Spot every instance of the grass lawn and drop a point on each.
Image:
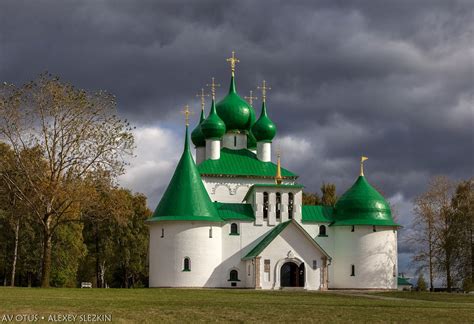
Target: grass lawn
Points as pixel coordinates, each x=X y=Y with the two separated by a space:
x=190 y=305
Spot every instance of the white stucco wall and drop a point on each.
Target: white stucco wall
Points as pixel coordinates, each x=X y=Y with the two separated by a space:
x=200 y=154
x=234 y=141
x=213 y=149
x=374 y=255
x=185 y=239
x=264 y=151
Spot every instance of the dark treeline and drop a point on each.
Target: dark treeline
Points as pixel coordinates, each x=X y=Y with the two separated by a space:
x=328 y=196
x=63 y=219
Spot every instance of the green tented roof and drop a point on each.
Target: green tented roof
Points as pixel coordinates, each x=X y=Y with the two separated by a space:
x=266 y=241
x=270 y=185
x=231 y=211
x=241 y=163
x=186 y=199
x=317 y=214
x=401 y=281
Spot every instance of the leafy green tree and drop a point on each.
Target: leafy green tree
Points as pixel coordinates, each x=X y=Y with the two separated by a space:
x=76 y=132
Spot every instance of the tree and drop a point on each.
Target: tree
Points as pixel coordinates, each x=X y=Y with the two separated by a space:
x=329 y=197
x=436 y=231
x=463 y=216
x=311 y=199
x=75 y=132
x=421 y=283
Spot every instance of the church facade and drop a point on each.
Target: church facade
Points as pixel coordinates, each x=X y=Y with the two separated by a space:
x=235 y=219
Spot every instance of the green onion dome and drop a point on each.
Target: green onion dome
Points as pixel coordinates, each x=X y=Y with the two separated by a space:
x=264 y=129
x=251 y=141
x=362 y=205
x=213 y=126
x=197 y=136
x=236 y=113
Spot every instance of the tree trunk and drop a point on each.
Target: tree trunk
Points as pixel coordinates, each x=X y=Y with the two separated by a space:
x=97 y=259
x=430 y=248
x=47 y=247
x=15 y=252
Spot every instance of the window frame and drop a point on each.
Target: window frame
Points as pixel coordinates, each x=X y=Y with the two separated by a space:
x=236 y=232
x=236 y=279
x=187 y=267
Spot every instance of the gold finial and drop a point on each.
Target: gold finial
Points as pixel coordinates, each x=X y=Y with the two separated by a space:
x=203 y=96
x=362 y=159
x=233 y=60
x=264 y=89
x=250 y=98
x=186 y=113
x=213 y=86
x=278 y=178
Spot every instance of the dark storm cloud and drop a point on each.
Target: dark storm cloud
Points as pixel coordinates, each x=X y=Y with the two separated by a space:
x=391 y=80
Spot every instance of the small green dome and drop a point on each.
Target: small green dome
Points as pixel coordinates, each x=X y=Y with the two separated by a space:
x=213 y=126
x=362 y=205
x=197 y=136
x=236 y=113
x=264 y=129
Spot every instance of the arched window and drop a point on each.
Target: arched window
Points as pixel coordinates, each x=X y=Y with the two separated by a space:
x=234 y=229
x=290 y=205
x=234 y=275
x=278 y=205
x=322 y=230
x=265 y=205
x=187 y=264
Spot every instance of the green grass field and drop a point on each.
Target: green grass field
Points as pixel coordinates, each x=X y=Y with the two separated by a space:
x=190 y=305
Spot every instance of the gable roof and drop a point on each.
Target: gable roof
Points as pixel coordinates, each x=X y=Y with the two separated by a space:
x=230 y=211
x=267 y=239
x=185 y=198
x=236 y=163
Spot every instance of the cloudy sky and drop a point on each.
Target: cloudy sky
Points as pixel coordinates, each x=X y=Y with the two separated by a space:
x=392 y=80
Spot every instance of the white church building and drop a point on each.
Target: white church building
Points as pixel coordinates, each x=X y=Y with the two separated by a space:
x=233 y=218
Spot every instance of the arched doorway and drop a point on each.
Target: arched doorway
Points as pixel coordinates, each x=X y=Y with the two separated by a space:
x=292 y=275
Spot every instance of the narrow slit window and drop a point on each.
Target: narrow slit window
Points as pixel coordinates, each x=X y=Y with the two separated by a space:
x=322 y=230
x=162 y=232
x=235 y=141
x=374 y=229
x=187 y=264
x=234 y=229
x=290 y=205
x=278 y=205
x=353 y=228
x=210 y=232
x=265 y=205
x=352 y=270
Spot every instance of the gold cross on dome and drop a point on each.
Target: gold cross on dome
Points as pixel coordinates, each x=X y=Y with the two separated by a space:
x=203 y=96
x=186 y=113
x=264 y=89
x=250 y=98
x=213 y=86
x=233 y=60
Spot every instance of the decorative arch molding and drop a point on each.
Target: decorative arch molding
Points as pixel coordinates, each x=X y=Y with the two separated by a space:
x=232 y=187
x=277 y=269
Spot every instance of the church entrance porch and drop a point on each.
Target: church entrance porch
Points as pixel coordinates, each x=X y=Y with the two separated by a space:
x=292 y=275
